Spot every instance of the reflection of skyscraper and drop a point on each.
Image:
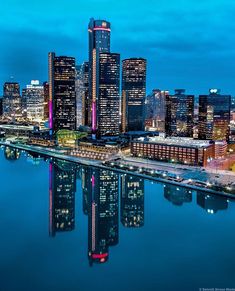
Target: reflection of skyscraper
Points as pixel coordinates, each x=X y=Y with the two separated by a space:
x=177 y=195
x=62 y=196
x=99 y=42
x=11 y=154
x=102 y=213
x=132 y=201
x=211 y=203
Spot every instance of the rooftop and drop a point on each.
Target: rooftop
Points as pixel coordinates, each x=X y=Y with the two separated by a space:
x=179 y=141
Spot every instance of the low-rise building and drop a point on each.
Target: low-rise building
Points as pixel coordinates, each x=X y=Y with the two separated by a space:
x=176 y=150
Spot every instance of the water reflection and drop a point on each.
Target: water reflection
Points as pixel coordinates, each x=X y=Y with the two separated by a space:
x=102 y=193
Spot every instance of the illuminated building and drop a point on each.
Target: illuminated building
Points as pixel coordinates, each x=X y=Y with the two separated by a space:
x=102 y=207
x=33 y=97
x=86 y=102
x=211 y=203
x=155 y=111
x=62 y=96
x=179 y=114
x=12 y=103
x=46 y=100
x=1 y=106
x=99 y=42
x=79 y=94
x=176 y=150
x=132 y=201
x=108 y=116
x=177 y=195
x=62 y=189
x=214 y=116
x=133 y=94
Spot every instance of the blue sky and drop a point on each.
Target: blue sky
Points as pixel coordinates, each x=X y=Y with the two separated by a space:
x=188 y=43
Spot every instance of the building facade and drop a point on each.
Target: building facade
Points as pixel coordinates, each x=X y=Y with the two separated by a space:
x=99 y=42
x=155 y=110
x=12 y=103
x=214 y=116
x=62 y=96
x=46 y=100
x=133 y=94
x=179 y=114
x=108 y=114
x=33 y=97
x=176 y=150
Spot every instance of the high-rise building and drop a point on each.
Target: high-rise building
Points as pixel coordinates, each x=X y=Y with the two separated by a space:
x=62 y=96
x=155 y=110
x=214 y=116
x=99 y=42
x=1 y=106
x=46 y=100
x=79 y=89
x=86 y=101
x=62 y=189
x=108 y=113
x=132 y=201
x=33 y=97
x=133 y=94
x=12 y=105
x=179 y=114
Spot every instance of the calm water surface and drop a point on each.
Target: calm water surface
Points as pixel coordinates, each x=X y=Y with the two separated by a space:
x=68 y=227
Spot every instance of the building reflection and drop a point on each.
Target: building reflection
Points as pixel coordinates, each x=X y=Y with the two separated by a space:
x=132 y=201
x=11 y=154
x=62 y=188
x=211 y=203
x=100 y=203
x=177 y=195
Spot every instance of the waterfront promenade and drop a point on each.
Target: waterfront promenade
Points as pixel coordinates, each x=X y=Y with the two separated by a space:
x=161 y=172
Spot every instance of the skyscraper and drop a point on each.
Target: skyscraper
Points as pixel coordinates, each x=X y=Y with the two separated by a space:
x=79 y=89
x=12 y=105
x=214 y=116
x=99 y=42
x=86 y=101
x=179 y=114
x=133 y=93
x=62 y=96
x=155 y=110
x=46 y=100
x=33 y=97
x=108 y=113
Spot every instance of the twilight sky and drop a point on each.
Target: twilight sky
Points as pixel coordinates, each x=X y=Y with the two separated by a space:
x=188 y=43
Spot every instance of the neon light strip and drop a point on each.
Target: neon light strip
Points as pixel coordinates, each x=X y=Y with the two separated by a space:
x=102 y=28
x=50 y=115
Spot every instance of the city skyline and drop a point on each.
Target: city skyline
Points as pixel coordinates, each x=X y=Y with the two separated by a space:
x=183 y=55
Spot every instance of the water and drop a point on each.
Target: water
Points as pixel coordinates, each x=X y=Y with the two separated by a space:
x=67 y=227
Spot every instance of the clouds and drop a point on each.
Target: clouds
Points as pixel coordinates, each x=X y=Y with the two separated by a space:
x=187 y=43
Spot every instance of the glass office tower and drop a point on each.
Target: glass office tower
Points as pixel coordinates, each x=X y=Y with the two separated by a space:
x=133 y=94
x=62 y=96
x=179 y=114
x=108 y=117
x=99 y=42
x=214 y=116
x=12 y=103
